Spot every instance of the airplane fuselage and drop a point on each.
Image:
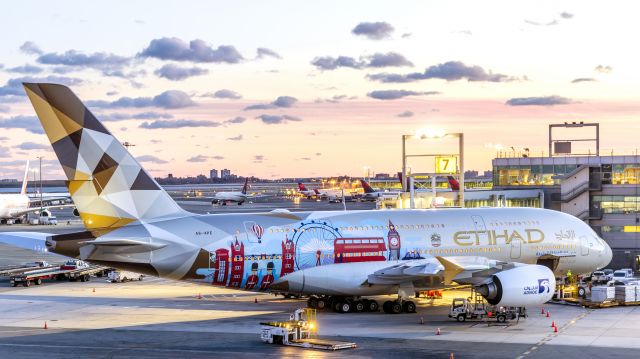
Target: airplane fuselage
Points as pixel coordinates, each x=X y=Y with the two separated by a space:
x=12 y=205
x=251 y=251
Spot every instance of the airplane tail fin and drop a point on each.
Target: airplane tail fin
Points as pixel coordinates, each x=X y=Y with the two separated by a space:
x=301 y=186
x=455 y=185
x=316 y=191
x=366 y=186
x=246 y=185
x=25 y=179
x=108 y=186
x=403 y=182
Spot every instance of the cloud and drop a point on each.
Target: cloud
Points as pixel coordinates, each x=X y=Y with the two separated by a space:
x=539 y=101
x=26 y=69
x=4 y=109
x=335 y=99
x=280 y=102
x=169 y=99
x=151 y=159
x=535 y=23
x=33 y=146
x=373 y=30
x=318 y=154
x=177 y=73
x=277 y=119
x=583 y=79
x=396 y=94
x=198 y=158
x=27 y=123
x=217 y=157
x=236 y=138
x=236 y=120
x=406 y=35
x=449 y=71
x=377 y=60
x=107 y=62
x=405 y=114
x=158 y=124
x=4 y=152
x=264 y=52
x=603 y=69
x=259 y=158
x=172 y=48
x=224 y=93
x=13 y=87
x=566 y=15
x=30 y=48
x=305 y=158
x=133 y=116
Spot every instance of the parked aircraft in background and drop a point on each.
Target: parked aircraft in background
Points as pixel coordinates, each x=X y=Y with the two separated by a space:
x=510 y=255
x=14 y=206
x=232 y=197
x=309 y=193
x=370 y=194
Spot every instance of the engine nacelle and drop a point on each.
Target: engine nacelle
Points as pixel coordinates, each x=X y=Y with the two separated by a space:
x=45 y=213
x=523 y=286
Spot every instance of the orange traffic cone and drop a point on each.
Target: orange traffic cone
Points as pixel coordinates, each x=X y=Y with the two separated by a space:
x=555 y=329
x=255 y=300
x=541 y=310
x=94 y=290
x=451 y=356
x=548 y=314
x=553 y=324
x=438 y=331
x=421 y=320
x=199 y=296
x=46 y=326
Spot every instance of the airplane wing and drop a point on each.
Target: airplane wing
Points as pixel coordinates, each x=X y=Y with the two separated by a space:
x=34 y=241
x=462 y=270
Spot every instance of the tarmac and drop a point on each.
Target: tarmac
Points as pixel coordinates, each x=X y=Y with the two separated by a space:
x=158 y=318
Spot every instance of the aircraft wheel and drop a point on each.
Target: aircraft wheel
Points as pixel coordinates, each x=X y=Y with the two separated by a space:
x=386 y=307
x=409 y=307
x=322 y=303
x=372 y=305
x=396 y=307
x=344 y=307
x=312 y=303
x=359 y=306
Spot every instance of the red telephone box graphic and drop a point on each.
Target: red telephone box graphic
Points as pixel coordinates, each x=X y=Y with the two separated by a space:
x=393 y=237
x=237 y=264
x=220 y=267
x=288 y=251
x=368 y=249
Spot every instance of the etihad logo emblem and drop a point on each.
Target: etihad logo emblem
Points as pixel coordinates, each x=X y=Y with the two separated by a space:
x=543 y=286
x=436 y=241
x=491 y=237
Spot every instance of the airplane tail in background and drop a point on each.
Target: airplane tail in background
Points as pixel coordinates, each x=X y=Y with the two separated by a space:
x=108 y=186
x=301 y=186
x=455 y=185
x=25 y=179
x=401 y=179
x=246 y=185
x=367 y=188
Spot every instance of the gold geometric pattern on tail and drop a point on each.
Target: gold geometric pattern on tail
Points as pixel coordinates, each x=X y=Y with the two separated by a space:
x=108 y=186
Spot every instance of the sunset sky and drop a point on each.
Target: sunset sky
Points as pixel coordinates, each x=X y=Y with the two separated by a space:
x=320 y=88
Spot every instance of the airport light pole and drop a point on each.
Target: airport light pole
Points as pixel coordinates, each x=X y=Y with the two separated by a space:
x=40 y=170
x=435 y=135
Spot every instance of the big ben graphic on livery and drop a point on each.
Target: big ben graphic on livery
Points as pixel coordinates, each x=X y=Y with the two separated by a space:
x=393 y=239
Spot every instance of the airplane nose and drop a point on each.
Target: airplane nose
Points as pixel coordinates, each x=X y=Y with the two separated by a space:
x=608 y=255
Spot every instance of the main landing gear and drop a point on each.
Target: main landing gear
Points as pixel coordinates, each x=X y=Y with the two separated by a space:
x=359 y=305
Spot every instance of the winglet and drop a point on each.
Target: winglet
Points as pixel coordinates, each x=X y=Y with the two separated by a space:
x=450 y=269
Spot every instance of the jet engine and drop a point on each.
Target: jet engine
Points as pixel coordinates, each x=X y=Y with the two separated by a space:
x=522 y=286
x=45 y=213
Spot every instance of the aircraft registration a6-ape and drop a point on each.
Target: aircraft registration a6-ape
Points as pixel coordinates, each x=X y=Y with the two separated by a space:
x=510 y=255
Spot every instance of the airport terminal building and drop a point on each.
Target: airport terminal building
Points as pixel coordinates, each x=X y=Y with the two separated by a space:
x=604 y=191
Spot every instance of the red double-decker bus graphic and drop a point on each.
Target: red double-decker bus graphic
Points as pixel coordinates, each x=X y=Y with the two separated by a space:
x=366 y=249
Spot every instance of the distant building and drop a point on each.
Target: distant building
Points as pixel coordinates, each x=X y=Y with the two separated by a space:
x=170 y=175
x=213 y=174
x=225 y=173
x=382 y=176
x=470 y=174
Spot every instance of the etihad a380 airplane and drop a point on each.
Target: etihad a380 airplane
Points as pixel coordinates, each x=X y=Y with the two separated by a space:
x=510 y=255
